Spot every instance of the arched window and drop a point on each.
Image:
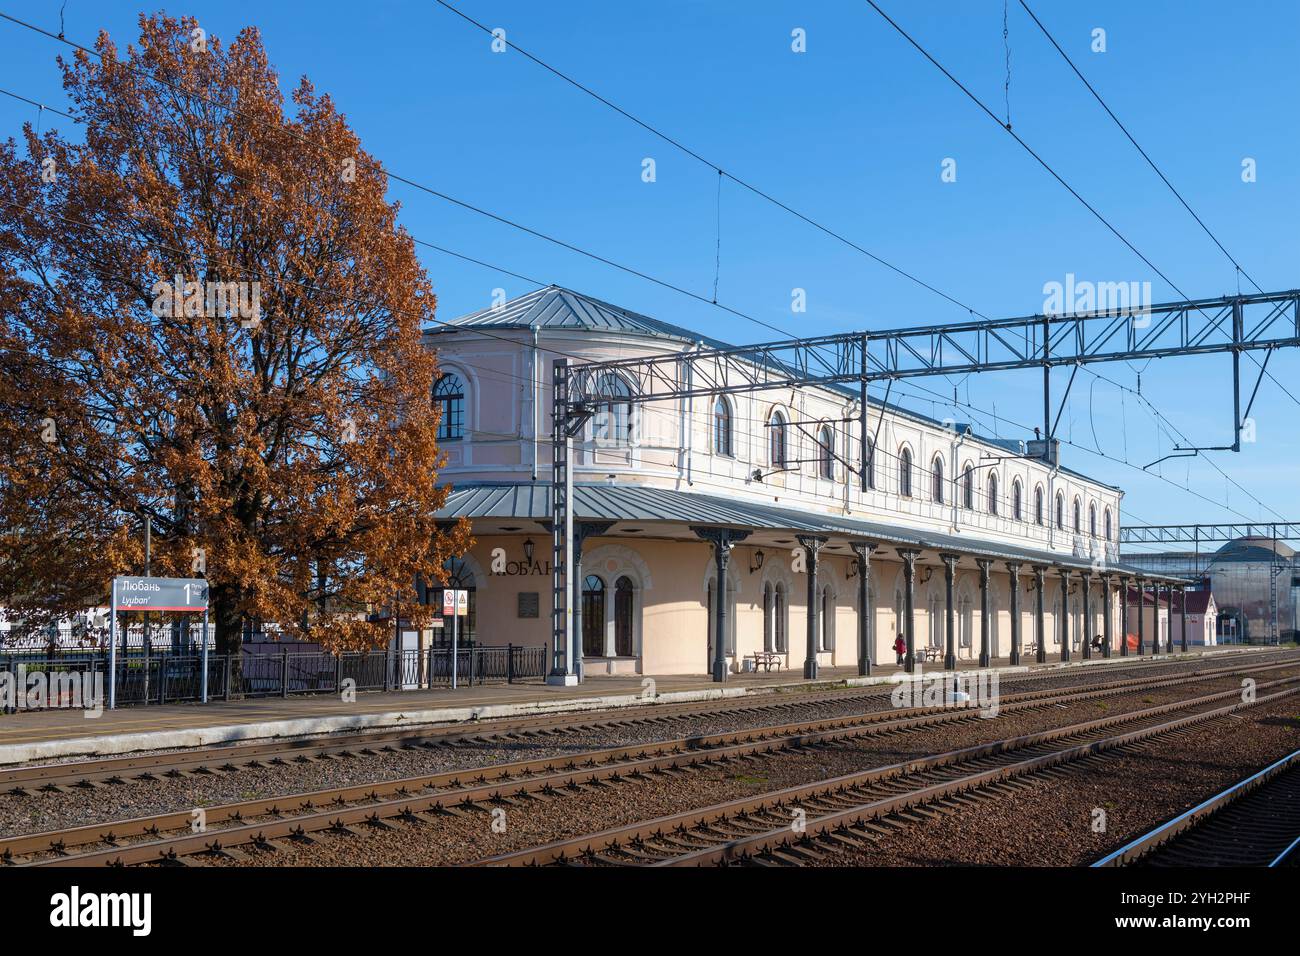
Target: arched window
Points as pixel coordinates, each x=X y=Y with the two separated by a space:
x=905 y=473
x=593 y=616
x=993 y=492
x=1092 y=520
x=1017 y=510
x=938 y=622
x=968 y=488
x=449 y=395
x=722 y=428
x=964 y=620
x=776 y=453
x=1060 y=511
x=1078 y=516
x=1038 y=504
x=460 y=577
x=936 y=480
x=769 y=613
x=779 y=620
x=826 y=453
x=870 y=463
x=623 y=611
x=828 y=620
x=612 y=422
x=1108 y=528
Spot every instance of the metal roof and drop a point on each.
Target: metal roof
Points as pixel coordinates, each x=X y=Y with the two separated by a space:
x=555 y=307
x=600 y=502
x=1254 y=549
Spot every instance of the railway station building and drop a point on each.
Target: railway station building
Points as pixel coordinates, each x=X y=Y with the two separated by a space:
x=766 y=507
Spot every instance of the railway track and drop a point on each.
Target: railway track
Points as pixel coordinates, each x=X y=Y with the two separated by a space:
x=230 y=758
x=1255 y=822
x=803 y=825
x=399 y=802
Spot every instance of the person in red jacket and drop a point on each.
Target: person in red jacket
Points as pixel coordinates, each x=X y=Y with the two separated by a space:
x=900 y=648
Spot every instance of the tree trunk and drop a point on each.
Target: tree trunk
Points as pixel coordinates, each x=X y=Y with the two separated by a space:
x=229 y=637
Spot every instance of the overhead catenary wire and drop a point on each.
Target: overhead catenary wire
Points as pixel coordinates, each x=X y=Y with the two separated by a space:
x=1238 y=269
x=1003 y=490
x=1055 y=175
x=1052 y=171
x=418 y=241
x=345 y=299
x=430 y=190
x=688 y=151
x=538 y=234
x=487 y=372
x=525 y=381
x=1150 y=162
x=501 y=219
x=1164 y=419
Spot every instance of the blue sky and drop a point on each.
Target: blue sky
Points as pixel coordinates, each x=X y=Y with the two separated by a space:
x=853 y=133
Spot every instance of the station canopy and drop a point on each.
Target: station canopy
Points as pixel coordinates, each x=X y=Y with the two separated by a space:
x=651 y=512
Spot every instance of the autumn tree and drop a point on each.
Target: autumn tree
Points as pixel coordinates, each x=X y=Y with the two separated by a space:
x=209 y=316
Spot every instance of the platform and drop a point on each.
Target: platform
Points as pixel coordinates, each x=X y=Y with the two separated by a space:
x=53 y=734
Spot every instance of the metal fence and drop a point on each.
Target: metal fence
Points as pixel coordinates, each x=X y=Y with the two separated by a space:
x=56 y=681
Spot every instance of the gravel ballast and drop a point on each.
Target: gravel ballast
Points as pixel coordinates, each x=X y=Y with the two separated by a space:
x=1052 y=824
x=37 y=812
x=461 y=839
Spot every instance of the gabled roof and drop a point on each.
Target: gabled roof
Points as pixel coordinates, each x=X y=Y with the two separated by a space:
x=558 y=308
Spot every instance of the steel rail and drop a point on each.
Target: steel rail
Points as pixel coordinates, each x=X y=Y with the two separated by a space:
x=679 y=826
x=591 y=769
x=1202 y=814
x=229 y=757
x=226 y=757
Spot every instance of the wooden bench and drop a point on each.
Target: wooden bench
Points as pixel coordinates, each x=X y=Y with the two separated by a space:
x=765 y=660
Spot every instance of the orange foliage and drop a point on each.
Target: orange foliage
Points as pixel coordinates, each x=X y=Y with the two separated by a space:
x=290 y=446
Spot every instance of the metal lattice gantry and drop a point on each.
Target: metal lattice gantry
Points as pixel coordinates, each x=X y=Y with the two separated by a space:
x=1208 y=533
x=1230 y=325
x=1198 y=534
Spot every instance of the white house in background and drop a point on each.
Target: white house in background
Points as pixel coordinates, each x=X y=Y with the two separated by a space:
x=1202 y=619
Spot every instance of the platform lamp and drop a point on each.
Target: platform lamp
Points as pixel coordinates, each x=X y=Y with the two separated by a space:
x=528 y=550
x=756 y=562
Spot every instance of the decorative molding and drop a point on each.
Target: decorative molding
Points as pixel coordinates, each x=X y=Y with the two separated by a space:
x=628 y=561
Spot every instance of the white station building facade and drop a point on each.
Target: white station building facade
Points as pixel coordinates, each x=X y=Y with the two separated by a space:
x=950 y=525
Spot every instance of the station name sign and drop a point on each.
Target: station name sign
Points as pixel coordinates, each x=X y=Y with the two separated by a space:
x=515 y=569
x=160 y=594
